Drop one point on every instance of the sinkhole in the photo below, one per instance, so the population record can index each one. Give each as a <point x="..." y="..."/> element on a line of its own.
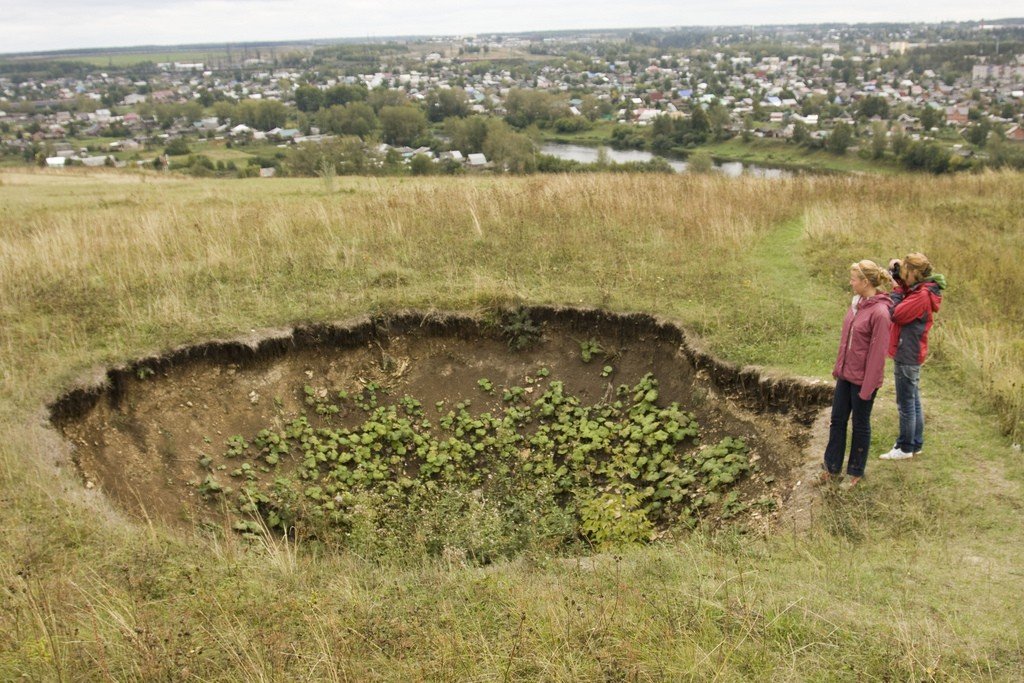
<point x="476" y="433"/>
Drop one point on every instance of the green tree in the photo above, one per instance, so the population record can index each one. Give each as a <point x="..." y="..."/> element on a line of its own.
<point x="383" y="97"/>
<point x="224" y="111"/>
<point x="801" y="134"/>
<point x="898" y="141"/>
<point x="662" y="125"/>
<point x="308" y="98"/>
<point x="719" y="121"/>
<point x="840" y="139"/>
<point x="700" y="125"/>
<point x="271" y="114"/>
<point x="926" y="156"/>
<point x="878" y="140"/>
<point x="402" y="125"/>
<point x="446" y="103"/>
<point x="261" y="114"/>
<point x="931" y="118"/>
<point x="467" y="135"/>
<point x="511" y="151"/>
<point x="343" y="94"/>
<point x="873" y="105"/>
<point x="354" y="118"/>
<point x="572" y="124"/>
<point x="594" y="108"/>
<point x="190" y="111"/>
<point x="346" y="155"/>
<point x="421" y="164"/>
<point x="526" y="107"/>
<point x="177" y="147"/>
<point x="977" y="134"/>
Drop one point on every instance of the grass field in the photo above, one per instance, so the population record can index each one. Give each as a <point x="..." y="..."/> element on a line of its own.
<point x="913" y="576"/>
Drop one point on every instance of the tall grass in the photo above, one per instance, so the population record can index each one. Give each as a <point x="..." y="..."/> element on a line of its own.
<point x="154" y="263"/>
<point x="910" y="578"/>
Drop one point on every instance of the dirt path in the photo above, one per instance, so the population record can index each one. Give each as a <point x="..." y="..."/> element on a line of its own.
<point x="805" y="499"/>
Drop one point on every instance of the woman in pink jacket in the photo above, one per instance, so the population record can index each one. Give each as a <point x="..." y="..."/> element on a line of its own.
<point x="859" y="369"/>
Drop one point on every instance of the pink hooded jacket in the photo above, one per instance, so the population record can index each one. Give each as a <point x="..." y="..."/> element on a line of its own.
<point x="863" y="344"/>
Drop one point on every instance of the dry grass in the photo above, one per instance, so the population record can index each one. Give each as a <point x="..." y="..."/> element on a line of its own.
<point x="910" y="578"/>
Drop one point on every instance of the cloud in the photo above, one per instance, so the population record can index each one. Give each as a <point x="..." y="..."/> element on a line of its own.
<point x="65" y="24"/>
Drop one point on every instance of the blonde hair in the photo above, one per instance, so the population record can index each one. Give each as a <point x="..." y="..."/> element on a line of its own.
<point x="877" y="277"/>
<point x="916" y="263"/>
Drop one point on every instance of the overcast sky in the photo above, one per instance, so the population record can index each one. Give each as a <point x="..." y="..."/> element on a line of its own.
<point x="62" y="24"/>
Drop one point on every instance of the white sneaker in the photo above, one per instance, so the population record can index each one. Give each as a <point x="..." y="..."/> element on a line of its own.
<point x="896" y="454"/>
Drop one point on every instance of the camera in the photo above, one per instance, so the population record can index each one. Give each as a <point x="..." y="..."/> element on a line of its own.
<point x="894" y="270"/>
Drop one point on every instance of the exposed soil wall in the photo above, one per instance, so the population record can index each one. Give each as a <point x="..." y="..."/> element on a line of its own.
<point x="139" y="432"/>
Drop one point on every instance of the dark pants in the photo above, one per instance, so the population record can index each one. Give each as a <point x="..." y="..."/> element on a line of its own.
<point x="845" y="401"/>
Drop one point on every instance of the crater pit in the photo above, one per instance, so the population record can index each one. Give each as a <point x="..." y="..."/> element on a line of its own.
<point x="342" y="431"/>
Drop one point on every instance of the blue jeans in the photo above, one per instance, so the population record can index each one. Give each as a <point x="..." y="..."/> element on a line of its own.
<point x="908" y="402"/>
<point x="845" y="401"/>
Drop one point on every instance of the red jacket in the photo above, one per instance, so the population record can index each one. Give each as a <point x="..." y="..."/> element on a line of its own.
<point x="863" y="343"/>
<point x="912" y="315"/>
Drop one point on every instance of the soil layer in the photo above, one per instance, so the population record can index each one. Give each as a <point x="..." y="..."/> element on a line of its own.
<point x="139" y="435"/>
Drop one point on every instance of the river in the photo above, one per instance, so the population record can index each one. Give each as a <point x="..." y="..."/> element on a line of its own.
<point x="588" y="155"/>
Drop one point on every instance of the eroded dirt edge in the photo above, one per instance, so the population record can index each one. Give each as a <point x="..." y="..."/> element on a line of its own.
<point x="795" y="402"/>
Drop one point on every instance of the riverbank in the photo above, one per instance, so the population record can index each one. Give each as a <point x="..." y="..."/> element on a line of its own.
<point x="762" y="152"/>
<point x="779" y="154"/>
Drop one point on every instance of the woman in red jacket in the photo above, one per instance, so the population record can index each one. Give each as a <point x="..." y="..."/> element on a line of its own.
<point x="860" y="366"/>
<point x="915" y="301"/>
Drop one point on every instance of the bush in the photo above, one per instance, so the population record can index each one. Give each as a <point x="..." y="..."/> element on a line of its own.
<point x="572" y="124"/>
<point x="926" y="156"/>
<point x="421" y="164"/>
<point x="177" y="147"/>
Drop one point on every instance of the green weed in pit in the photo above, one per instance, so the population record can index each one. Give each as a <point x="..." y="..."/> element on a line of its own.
<point x="590" y="348"/>
<point x="554" y="471"/>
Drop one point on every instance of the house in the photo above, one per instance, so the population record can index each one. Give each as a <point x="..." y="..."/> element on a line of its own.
<point x="283" y="133"/>
<point x="1015" y="133"/>
<point x="645" y="116"/>
<point x="56" y="162"/>
<point x="208" y="123"/>
<point x="957" y="115"/>
<point x="477" y="160"/>
<point x="125" y="145"/>
<point x="95" y="161"/>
